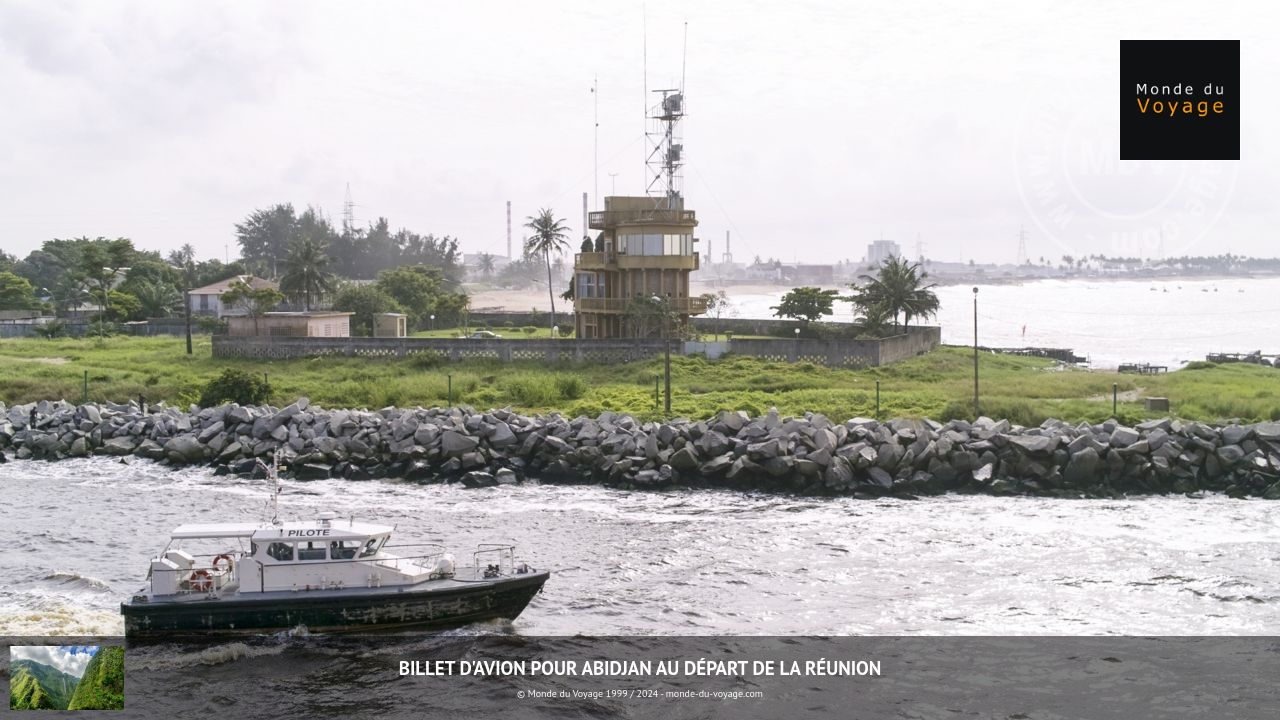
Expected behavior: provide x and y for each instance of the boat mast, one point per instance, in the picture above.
(274, 475)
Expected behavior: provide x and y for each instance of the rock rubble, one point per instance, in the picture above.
(810, 454)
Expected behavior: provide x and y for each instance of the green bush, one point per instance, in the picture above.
(235, 386)
(570, 387)
(211, 325)
(50, 330)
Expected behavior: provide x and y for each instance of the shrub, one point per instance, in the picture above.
(528, 330)
(1200, 365)
(211, 325)
(570, 387)
(101, 328)
(235, 386)
(50, 330)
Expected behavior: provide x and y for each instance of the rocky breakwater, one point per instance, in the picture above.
(809, 454)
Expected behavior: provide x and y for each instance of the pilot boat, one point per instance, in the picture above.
(327, 574)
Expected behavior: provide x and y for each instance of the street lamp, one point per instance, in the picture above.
(433, 323)
(666, 353)
(796, 350)
(976, 413)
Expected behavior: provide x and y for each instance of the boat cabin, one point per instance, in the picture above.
(325, 553)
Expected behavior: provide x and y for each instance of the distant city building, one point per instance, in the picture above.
(768, 270)
(880, 250)
(798, 274)
(646, 251)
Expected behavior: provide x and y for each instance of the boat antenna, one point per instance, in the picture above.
(274, 475)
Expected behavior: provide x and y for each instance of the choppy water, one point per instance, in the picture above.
(1163, 322)
(78, 534)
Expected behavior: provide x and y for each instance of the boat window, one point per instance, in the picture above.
(280, 551)
(311, 552)
(343, 549)
(371, 547)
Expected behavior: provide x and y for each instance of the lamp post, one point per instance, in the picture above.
(433, 323)
(976, 412)
(666, 354)
(796, 347)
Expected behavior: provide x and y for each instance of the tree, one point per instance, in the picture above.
(306, 273)
(100, 264)
(122, 306)
(264, 236)
(717, 306)
(897, 289)
(16, 293)
(420, 291)
(549, 236)
(183, 256)
(7, 261)
(806, 304)
(650, 315)
(255, 302)
(486, 264)
(156, 300)
(365, 301)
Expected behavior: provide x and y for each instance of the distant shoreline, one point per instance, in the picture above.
(498, 300)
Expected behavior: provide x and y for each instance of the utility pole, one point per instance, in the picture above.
(509, 256)
(976, 412)
(187, 308)
(664, 304)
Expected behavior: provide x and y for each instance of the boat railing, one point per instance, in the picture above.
(498, 552)
(402, 563)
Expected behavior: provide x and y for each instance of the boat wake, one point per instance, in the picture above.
(71, 580)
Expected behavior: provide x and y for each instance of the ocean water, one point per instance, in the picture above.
(692, 562)
(1162, 322)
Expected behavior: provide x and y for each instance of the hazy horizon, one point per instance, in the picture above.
(813, 128)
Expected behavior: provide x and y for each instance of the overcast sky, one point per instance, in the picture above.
(813, 127)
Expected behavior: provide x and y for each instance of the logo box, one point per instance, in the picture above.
(1179, 99)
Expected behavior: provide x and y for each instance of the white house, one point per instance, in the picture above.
(207, 300)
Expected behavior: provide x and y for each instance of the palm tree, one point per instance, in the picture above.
(486, 264)
(182, 257)
(896, 289)
(549, 235)
(159, 300)
(306, 273)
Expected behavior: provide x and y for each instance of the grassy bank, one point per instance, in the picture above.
(937, 385)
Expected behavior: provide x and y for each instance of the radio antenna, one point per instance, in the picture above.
(684, 55)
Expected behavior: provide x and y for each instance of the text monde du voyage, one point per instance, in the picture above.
(1180, 100)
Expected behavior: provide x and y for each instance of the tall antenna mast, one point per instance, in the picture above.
(595, 96)
(666, 146)
(348, 213)
(509, 256)
(1022, 245)
(684, 55)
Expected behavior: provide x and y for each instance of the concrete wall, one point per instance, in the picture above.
(836, 353)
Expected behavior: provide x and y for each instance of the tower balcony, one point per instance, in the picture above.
(680, 305)
(615, 261)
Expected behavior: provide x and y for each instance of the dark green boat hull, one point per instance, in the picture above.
(349, 610)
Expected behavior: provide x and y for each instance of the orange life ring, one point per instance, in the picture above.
(201, 581)
(230, 562)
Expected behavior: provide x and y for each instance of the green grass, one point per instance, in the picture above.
(937, 385)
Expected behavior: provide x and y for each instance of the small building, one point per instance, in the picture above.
(320, 324)
(393, 325)
(207, 300)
